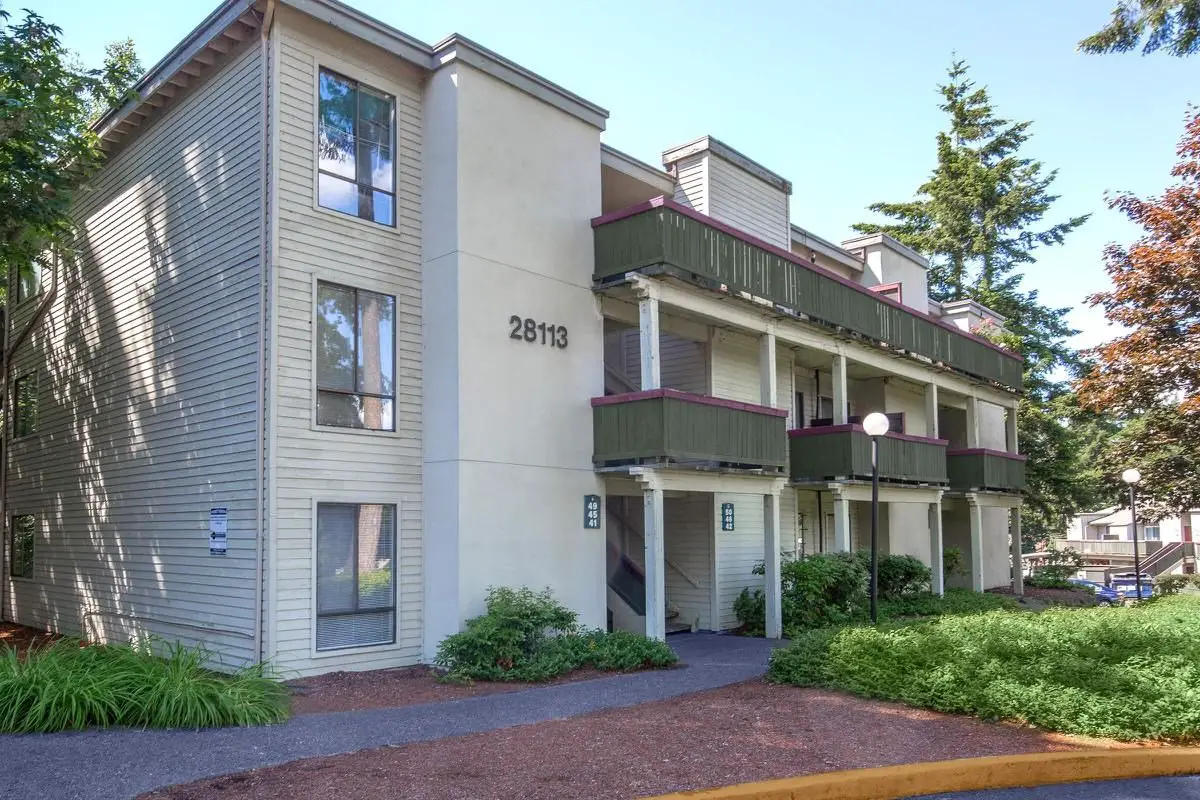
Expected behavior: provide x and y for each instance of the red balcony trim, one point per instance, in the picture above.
(687, 397)
(665, 202)
(983, 451)
(904, 437)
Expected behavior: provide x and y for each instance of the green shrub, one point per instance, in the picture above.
(952, 562)
(902, 576)
(1127, 673)
(1043, 581)
(67, 686)
(954, 602)
(1171, 584)
(1061, 564)
(530, 636)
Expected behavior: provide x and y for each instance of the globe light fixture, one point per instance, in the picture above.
(1131, 476)
(876, 424)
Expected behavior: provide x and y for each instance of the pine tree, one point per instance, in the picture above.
(979, 220)
(1173, 25)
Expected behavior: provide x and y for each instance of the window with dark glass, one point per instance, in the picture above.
(356, 575)
(355, 142)
(356, 358)
(23, 534)
(26, 402)
(29, 280)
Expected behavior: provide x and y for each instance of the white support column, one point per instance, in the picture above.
(841, 399)
(768, 375)
(655, 563)
(972, 422)
(931, 410)
(976, 542)
(841, 523)
(1014, 532)
(936, 549)
(1010, 429)
(651, 362)
(772, 586)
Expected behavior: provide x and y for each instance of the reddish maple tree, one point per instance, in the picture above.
(1150, 376)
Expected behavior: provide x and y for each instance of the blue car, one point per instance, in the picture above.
(1126, 585)
(1105, 596)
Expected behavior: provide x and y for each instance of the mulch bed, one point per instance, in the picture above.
(746, 732)
(22, 638)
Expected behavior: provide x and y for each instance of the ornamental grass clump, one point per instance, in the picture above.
(529, 636)
(71, 686)
(1129, 673)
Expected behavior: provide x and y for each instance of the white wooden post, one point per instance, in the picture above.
(655, 564)
(841, 523)
(841, 400)
(972, 422)
(1010, 429)
(772, 586)
(936, 549)
(931, 410)
(1014, 531)
(768, 375)
(651, 362)
(976, 542)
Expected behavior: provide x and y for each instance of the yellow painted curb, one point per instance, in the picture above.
(964, 775)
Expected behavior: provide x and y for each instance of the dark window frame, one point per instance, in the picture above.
(22, 297)
(20, 430)
(354, 360)
(392, 566)
(28, 561)
(365, 200)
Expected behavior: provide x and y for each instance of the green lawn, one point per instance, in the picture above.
(1125, 673)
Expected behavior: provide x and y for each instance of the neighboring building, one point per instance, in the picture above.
(357, 327)
(1105, 539)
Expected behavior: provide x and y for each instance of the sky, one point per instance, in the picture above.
(840, 98)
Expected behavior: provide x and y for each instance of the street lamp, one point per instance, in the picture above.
(1131, 477)
(875, 425)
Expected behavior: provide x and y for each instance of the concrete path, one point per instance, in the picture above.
(120, 764)
(1141, 789)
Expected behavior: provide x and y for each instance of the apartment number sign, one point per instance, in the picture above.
(528, 329)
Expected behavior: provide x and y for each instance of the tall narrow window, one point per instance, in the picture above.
(29, 280)
(355, 141)
(26, 402)
(356, 358)
(356, 575)
(23, 534)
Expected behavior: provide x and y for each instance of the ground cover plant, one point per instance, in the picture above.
(70, 686)
(1125, 673)
(529, 636)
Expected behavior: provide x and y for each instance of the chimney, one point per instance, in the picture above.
(892, 269)
(714, 179)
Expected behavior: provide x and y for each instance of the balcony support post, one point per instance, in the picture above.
(772, 585)
(841, 522)
(655, 559)
(650, 340)
(1010, 429)
(936, 549)
(976, 511)
(931, 410)
(768, 375)
(1014, 532)
(972, 422)
(841, 400)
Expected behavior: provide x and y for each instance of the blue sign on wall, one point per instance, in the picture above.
(591, 511)
(726, 516)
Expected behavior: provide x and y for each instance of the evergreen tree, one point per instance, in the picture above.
(979, 221)
(1173, 25)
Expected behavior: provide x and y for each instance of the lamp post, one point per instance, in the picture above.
(1131, 477)
(875, 425)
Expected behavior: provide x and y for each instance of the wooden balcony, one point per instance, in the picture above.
(843, 452)
(663, 237)
(668, 426)
(985, 469)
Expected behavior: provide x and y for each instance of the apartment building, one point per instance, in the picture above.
(356, 327)
(1104, 538)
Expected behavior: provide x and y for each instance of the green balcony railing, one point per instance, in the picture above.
(664, 425)
(985, 469)
(663, 236)
(843, 452)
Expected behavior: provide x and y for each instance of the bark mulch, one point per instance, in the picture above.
(745, 732)
(392, 688)
(21, 638)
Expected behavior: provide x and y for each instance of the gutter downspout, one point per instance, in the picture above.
(6, 367)
(264, 232)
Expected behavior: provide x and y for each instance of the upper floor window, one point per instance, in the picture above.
(1152, 533)
(25, 401)
(356, 358)
(29, 280)
(355, 149)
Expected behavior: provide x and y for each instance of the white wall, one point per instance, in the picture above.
(737, 553)
(148, 403)
(508, 462)
(687, 541)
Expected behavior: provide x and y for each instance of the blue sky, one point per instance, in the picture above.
(838, 97)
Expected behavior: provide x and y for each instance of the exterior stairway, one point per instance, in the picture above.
(626, 577)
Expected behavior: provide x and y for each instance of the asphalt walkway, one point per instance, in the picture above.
(120, 764)
(1142, 789)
